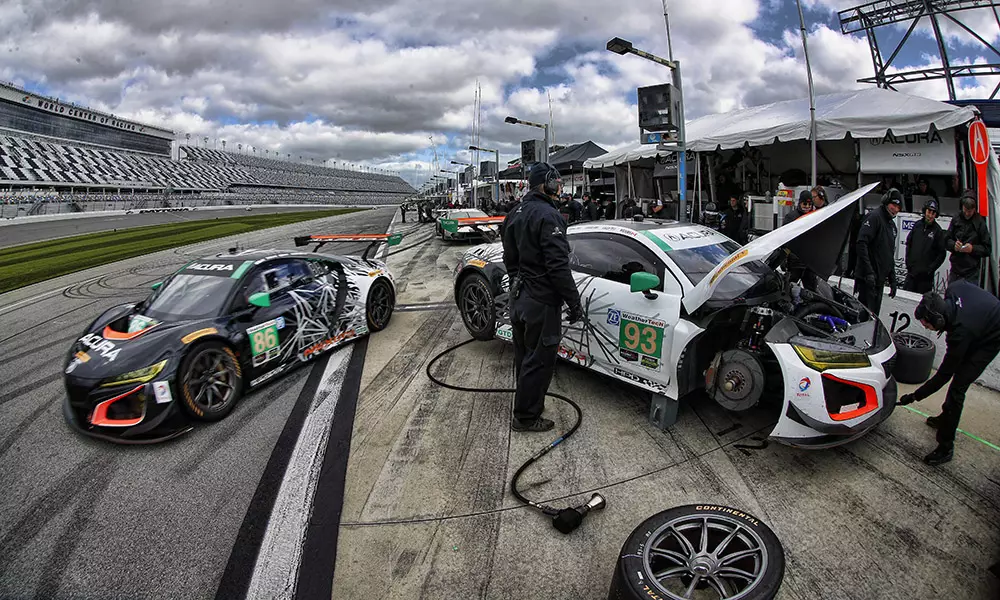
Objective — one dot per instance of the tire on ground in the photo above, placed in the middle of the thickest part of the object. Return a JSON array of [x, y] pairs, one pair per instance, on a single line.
[[914, 357], [632, 577], [475, 284], [381, 286], [189, 395]]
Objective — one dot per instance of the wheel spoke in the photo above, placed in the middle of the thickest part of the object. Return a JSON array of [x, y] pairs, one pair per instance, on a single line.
[[704, 535], [719, 586], [722, 545], [674, 556], [737, 555], [684, 542], [694, 583], [668, 573], [200, 395], [734, 572]]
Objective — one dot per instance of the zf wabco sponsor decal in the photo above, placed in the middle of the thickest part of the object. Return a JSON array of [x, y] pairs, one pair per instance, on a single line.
[[100, 346]]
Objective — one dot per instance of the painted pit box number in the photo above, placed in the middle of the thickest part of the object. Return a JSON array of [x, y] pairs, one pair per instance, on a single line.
[[264, 339], [641, 338]]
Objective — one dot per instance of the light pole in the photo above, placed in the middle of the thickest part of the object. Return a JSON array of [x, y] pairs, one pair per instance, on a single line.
[[623, 47], [545, 148], [472, 196], [496, 177]]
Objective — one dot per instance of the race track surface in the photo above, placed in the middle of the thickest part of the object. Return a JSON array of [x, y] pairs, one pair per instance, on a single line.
[[80, 518], [35, 231]]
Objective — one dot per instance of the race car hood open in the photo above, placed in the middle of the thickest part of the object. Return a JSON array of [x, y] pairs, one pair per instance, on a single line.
[[815, 238]]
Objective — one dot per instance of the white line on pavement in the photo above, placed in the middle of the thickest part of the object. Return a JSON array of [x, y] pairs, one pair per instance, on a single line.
[[10, 307]]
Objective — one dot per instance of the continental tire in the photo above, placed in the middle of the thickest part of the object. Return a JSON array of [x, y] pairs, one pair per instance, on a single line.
[[716, 551], [211, 381], [475, 302], [379, 305], [914, 357]]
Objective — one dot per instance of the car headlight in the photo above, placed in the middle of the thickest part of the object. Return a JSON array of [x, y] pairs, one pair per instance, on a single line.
[[138, 376], [822, 359]]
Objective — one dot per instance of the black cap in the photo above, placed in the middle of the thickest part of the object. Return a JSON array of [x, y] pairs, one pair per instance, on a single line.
[[893, 196], [539, 173], [805, 196], [931, 205]]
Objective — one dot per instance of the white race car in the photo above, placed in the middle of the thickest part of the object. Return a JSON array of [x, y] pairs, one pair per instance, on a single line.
[[460, 224], [676, 309]]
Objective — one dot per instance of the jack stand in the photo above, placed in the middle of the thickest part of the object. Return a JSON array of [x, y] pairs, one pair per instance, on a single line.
[[663, 411]]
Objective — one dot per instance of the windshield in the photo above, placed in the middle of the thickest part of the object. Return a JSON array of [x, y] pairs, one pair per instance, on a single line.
[[464, 214], [699, 261], [187, 296]]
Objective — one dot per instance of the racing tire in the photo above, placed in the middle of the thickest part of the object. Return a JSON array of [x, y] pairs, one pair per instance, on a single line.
[[750, 565], [475, 302], [914, 357], [210, 381], [379, 306]]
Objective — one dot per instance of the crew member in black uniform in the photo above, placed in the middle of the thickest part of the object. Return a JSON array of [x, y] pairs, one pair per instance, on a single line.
[[735, 221], [876, 248], [536, 254], [968, 240], [971, 318], [924, 251]]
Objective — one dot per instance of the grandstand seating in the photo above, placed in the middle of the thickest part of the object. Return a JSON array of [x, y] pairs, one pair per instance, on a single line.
[[218, 176]]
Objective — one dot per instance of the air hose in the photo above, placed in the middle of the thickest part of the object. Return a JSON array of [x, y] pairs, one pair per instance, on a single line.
[[565, 519]]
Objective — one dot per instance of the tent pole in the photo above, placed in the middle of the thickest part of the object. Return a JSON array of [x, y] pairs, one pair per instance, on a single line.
[[812, 98], [711, 179]]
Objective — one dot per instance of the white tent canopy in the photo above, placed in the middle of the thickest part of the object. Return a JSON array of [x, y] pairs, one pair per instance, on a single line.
[[868, 113]]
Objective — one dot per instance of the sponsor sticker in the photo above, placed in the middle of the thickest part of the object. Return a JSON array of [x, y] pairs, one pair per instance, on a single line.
[[628, 355], [804, 384], [140, 322], [729, 262], [264, 342], [280, 322], [574, 355], [319, 347], [614, 316], [223, 268], [505, 332], [161, 390], [638, 379], [197, 334], [268, 375], [477, 263], [101, 346], [650, 363], [641, 335]]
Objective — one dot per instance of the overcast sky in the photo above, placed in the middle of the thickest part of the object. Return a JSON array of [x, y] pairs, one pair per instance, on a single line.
[[382, 82]]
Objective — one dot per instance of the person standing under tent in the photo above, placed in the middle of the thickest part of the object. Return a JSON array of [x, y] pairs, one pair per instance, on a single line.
[[876, 249], [968, 240], [924, 251]]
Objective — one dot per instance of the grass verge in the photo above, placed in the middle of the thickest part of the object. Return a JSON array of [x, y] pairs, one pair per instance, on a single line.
[[30, 263]]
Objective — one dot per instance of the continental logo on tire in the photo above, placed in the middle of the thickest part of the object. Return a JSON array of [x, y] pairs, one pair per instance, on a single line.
[[727, 264], [728, 511], [190, 400], [236, 363]]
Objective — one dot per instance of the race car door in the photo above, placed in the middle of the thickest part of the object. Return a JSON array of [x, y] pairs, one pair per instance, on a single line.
[[626, 335]]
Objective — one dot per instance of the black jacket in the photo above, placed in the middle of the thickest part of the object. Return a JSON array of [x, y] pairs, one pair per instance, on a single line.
[[968, 231], [924, 248], [972, 319], [574, 209], [736, 224], [792, 215], [591, 212], [877, 247], [536, 250]]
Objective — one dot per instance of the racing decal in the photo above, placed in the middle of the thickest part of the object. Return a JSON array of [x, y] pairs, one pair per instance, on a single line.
[[140, 322], [264, 342], [475, 262], [804, 384], [505, 332], [320, 347], [161, 391], [101, 346], [648, 362], [375, 273], [269, 375], [639, 334], [226, 269], [730, 511], [659, 388], [729, 262], [78, 359], [574, 355], [198, 334], [628, 355]]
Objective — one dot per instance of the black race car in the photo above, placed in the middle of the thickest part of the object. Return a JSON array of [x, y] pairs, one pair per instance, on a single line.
[[215, 328]]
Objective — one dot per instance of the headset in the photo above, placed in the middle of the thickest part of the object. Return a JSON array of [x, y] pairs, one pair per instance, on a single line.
[[931, 309], [891, 195], [552, 178]]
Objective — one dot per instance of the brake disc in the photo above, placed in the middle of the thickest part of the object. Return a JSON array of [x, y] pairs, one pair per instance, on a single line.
[[739, 381]]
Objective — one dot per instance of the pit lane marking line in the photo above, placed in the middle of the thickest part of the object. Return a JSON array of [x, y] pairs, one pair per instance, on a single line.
[[971, 435], [10, 307], [276, 570]]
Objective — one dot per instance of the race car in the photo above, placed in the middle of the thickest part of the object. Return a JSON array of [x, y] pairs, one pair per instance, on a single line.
[[467, 224], [217, 327], [676, 308]]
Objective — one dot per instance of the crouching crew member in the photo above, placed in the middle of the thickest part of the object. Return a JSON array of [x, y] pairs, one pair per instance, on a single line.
[[924, 251], [536, 254], [971, 318], [876, 248]]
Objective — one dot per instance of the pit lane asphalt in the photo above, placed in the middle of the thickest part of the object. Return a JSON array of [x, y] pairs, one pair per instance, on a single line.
[[31, 230], [84, 518]]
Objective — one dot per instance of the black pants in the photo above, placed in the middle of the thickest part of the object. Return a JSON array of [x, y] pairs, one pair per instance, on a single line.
[[972, 276], [403, 212], [870, 297], [972, 367], [537, 331], [919, 283]]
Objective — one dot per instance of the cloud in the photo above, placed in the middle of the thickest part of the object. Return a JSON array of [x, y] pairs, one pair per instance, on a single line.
[[382, 81]]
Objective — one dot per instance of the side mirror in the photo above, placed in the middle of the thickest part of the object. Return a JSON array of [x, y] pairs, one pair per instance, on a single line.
[[261, 299], [643, 282], [156, 285]]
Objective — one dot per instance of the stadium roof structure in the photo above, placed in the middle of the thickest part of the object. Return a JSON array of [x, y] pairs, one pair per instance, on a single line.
[[869, 113]]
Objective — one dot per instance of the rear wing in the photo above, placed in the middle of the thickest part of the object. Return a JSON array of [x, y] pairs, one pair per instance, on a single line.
[[478, 224], [374, 240]]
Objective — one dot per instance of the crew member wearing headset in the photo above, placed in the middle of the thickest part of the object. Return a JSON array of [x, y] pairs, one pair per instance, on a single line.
[[536, 254], [876, 248], [924, 251], [971, 318]]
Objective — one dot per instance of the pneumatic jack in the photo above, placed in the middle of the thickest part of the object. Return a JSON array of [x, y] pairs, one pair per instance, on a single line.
[[565, 520]]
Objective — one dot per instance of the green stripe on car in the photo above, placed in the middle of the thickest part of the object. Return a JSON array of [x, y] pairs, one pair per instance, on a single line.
[[657, 240]]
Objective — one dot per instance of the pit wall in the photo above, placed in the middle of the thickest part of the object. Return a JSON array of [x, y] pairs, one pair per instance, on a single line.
[[897, 315]]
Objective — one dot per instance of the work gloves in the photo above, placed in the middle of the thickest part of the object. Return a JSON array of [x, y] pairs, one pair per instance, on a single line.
[[575, 314], [907, 399]]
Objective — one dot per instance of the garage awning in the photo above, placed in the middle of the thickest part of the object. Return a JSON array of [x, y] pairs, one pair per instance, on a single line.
[[869, 113]]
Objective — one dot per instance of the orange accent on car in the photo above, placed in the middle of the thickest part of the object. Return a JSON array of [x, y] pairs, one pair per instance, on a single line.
[[350, 236], [870, 404], [111, 334], [197, 334], [480, 220], [100, 416]]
